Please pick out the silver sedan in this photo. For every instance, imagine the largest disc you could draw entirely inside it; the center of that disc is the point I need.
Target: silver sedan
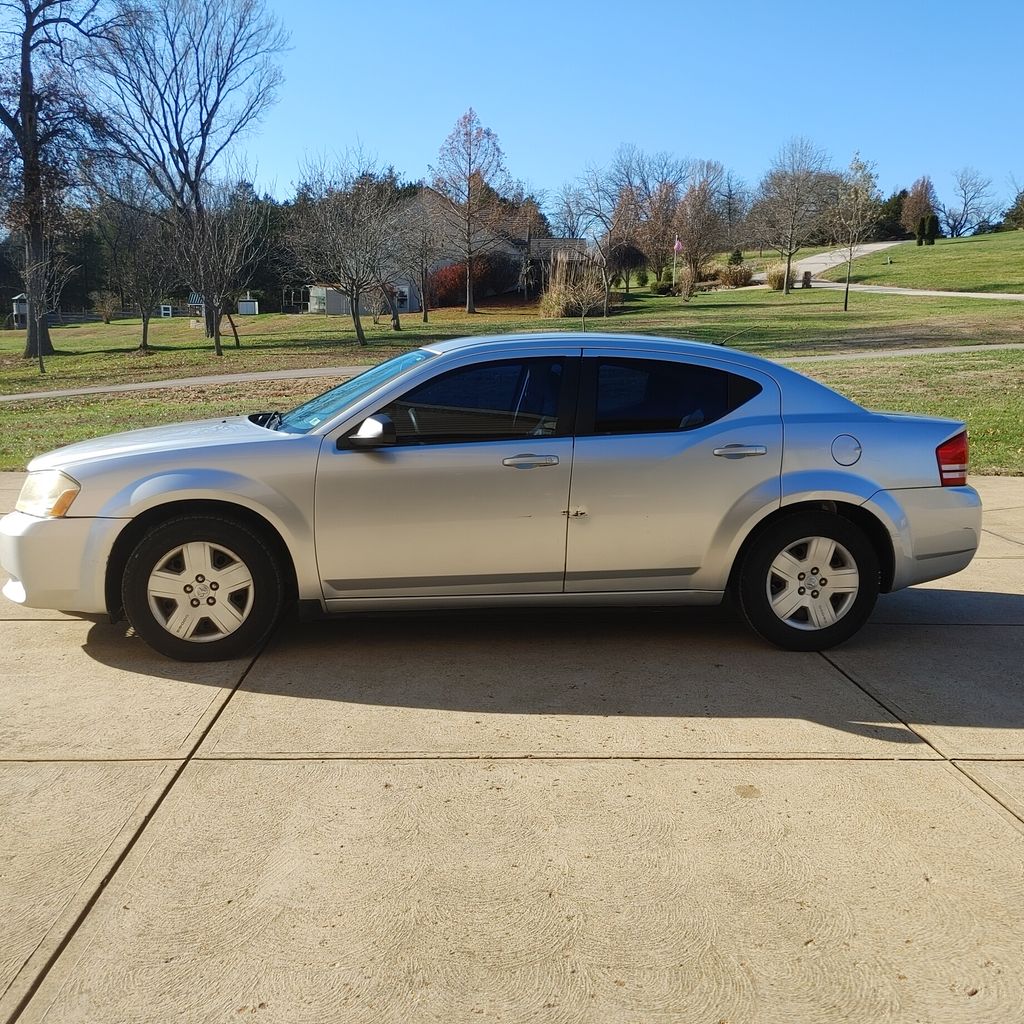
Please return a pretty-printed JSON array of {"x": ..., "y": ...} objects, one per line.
[{"x": 528, "y": 470}]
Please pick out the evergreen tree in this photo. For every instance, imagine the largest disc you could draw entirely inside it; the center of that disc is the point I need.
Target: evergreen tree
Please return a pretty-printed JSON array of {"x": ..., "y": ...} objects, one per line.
[
  {"x": 889, "y": 227},
  {"x": 1013, "y": 218},
  {"x": 922, "y": 230},
  {"x": 931, "y": 229}
]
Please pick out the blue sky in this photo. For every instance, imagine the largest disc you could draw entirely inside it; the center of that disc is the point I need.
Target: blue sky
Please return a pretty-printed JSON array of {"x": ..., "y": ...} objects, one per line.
[{"x": 918, "y": 87}]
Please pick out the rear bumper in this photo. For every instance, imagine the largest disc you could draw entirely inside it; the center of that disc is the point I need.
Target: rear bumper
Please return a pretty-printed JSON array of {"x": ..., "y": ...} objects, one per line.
[
  {"x": 57, "y": 563},
  {"x": 935, "y": 531}
]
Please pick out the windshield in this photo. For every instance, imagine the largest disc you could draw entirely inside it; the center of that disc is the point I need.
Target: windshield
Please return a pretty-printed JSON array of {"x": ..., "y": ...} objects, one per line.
[{"x": 326, "y": 406}]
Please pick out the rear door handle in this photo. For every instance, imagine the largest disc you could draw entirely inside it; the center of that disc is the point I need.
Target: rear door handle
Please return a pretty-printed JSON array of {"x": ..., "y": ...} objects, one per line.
[
  {"x": 530, "y": 461},
  {"x": 741, "y": 451}
]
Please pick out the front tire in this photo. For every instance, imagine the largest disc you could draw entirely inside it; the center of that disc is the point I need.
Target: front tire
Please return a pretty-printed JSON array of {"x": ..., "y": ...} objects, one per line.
[
  {"x": 808, "y": 582},
  {"x": 203, "y": 588}
]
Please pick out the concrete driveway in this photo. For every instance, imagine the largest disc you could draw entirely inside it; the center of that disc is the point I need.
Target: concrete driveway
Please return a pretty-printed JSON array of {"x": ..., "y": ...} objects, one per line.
[{"x": 607, "y": 816}]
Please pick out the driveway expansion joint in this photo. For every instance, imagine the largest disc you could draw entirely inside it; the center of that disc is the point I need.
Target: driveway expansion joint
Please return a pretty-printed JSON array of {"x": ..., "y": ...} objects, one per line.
[
  {"x": 950, "y": 759},
  {"x": 179, "y": 767}
]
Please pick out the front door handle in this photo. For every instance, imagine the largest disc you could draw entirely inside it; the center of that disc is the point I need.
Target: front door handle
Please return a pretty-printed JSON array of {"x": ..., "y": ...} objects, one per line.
[
  {"x": 740, "y": 451},
  {"x": 530, "y": 461}
]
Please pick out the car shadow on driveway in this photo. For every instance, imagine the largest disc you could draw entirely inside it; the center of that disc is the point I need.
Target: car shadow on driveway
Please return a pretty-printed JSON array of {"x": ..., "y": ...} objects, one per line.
[{"x": 699, "y": 664}]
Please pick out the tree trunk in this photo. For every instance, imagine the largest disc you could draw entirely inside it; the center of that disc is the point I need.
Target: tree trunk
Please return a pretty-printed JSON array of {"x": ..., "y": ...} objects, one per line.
[
  {"x": 389, "y": 298},
  {"x": 789, "y": 265},
  {"x": 470, "y": 304},
  {"x": 846, "y": 294},
  {"x": 607, "y": 295},
  {"x": 144, "y": 346},
  {"x": 353, "y": 299},
  {"x": 626, "y": 280},
  {"x": 217, "y": 349},
  {"x": 423, "y": 296},
  {"x": 234, "y": 330},
  {"x": 37, "y": 327},
  {"x": 212, "y": 325}
]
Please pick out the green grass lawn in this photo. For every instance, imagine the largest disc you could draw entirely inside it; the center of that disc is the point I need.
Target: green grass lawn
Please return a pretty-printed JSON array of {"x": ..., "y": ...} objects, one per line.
[
  {"x": 984, "y": 388},
  {"x": 985, "y": 263},
  {"x": 769, "y": 323}
]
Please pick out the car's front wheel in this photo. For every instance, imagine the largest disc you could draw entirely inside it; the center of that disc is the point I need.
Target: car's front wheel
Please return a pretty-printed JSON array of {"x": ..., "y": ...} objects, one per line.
[
  {"x": 808, "y": 581},
  {"x": 203, "y": 588}
]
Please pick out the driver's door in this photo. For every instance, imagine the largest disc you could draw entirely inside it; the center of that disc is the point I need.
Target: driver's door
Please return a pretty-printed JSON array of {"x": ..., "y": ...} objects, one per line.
[{"x": 470, "y": 500}]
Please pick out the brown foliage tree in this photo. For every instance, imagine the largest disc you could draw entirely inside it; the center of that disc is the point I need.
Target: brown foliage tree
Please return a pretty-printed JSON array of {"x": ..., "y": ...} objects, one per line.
[
  {"x": 920, "y": 202},
  {"x": 470, "y": 174}
]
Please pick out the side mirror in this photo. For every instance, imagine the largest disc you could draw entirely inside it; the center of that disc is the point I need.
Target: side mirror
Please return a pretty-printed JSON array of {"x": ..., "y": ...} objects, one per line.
[{"x": 374, "y": 432}]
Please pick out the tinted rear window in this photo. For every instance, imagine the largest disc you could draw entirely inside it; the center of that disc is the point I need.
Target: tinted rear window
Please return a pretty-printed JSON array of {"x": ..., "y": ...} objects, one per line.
[{"x": 645, "y": 396}]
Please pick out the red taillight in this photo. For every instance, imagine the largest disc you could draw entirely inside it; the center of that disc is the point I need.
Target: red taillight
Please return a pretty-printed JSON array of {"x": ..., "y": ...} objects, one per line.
[{"x": 952, "y": 456}]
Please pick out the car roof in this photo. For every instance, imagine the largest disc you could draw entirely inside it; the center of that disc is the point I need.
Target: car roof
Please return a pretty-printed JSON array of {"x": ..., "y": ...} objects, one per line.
[{"x": 803, "y": 393}]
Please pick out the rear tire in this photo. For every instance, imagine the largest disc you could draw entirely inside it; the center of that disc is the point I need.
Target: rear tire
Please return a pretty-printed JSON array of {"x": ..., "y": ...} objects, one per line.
[
  {"x": 808, "y": 582},
  {"x": 203, "y": 588}
]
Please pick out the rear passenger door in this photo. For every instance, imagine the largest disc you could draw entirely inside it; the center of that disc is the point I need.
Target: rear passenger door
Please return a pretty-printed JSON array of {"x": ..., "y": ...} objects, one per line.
[{"x": 672, "y": 458}]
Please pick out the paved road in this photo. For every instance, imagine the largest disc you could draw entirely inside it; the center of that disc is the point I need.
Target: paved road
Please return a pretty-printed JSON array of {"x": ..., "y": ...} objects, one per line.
[
  {"x": 823, "y": 261},
  {"x": 596, "y": 816},
  {"x": 351, "y": 371},
  {"x": 925, "y": 292},
  {"x": 189, "y": 382}
]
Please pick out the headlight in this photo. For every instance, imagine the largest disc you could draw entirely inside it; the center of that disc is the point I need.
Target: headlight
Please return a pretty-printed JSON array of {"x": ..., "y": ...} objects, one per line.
[{"x": 47, "y": 494}]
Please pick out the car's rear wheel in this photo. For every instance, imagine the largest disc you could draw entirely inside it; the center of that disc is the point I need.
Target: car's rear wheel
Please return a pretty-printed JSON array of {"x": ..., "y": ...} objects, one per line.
[
  {"x": 808, "y": 581},
  {"x": 203, "y": 588}
]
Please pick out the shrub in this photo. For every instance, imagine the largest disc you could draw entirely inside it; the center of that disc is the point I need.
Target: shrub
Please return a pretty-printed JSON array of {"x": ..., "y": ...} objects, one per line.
[
  {"x": 775, "y": 275},
  {"x": 686, "y": 283},
  {"x": 736, "y": 275},
  {"x": 922, "y": 230},
  {"x": 661, "y": 287},
  {"x": 447, "y": 285},
  {"x": 106, "y": 304},
  {"x": 735, "y": 258},
  {"x": 642, "y": 278},
  {"x": 931, "y": 229},
  {"x": 494, "y": 274}
]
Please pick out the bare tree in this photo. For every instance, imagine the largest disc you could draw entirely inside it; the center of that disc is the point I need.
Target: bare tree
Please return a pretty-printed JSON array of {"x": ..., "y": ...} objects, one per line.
[
  {"x": 791, "y": 200},
  {"x": 853, "y": 216},
  {"x": 920, "y": 203},
  {"x": 46, "y": 120},
  {"x": 220, "y": 251},
  {"x": 470, "y": 174},
  {"x": 652, "y": 184},
  {"x": 421, "y": 242},
  {"x": 735, "y": 204},
  {"x": 700, "y": 223},
  {"x": 568, "y": 219},
  {"x": 606, "y": 216},
  {"x": 179, "y": 83},
  {"x": 972, "y": 203},
  {"x": 346, "y": 230},
  {"x": 141, "y": 244}
]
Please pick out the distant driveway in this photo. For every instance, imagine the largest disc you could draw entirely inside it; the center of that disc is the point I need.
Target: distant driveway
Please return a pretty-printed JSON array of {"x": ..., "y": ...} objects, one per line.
[{"x": 837, "y": 257}]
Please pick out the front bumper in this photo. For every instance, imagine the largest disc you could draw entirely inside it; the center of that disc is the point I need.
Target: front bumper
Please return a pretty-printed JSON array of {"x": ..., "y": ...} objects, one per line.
[
  {"x": 57, "y": 563},
  {"x": 935, "y": 530}
]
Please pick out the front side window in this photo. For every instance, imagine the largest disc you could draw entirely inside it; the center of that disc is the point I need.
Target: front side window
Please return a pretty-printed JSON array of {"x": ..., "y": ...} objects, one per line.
[
  {"x": 646, "y": 396},
  {"x": 486, "y": 402},
  {"x": 328, "y": 405}
]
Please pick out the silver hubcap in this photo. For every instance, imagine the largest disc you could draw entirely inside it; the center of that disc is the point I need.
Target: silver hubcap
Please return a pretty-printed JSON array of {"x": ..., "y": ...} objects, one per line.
[
  {"x": 813, "y": 583},
  {"x": 200, "y": 592}
]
